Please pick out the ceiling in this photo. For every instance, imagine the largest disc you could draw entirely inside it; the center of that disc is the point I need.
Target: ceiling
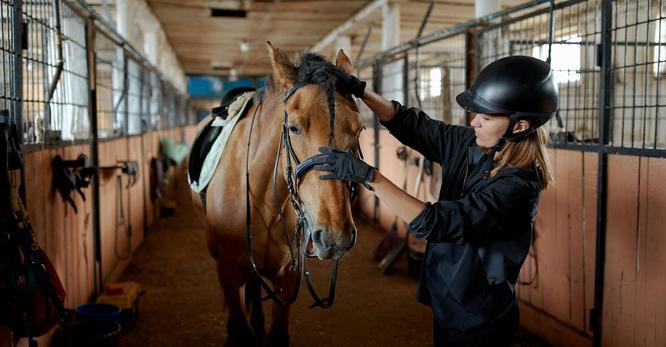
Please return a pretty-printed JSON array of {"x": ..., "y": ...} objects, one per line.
[{"x": 207, "y": 45}]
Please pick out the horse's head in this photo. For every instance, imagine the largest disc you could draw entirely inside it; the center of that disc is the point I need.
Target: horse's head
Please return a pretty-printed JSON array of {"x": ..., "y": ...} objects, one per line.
[{"x": 315, "y": 109}]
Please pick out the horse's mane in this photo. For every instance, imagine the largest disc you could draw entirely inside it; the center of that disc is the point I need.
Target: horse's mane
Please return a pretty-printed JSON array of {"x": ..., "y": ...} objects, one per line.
[{"x": 309, "y": 68}]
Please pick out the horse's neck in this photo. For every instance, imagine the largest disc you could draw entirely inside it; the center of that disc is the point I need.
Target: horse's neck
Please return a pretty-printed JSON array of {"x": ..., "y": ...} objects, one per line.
[{"x": 264, "y": 147}]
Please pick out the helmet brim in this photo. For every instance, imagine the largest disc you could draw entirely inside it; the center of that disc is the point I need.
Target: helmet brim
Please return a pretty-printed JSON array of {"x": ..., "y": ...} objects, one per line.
[{"x": 467, "y": 101}]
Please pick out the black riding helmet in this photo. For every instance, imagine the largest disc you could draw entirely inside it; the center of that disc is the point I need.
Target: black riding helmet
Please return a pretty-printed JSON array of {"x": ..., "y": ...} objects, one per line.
[{"x": 518, "y": 86}]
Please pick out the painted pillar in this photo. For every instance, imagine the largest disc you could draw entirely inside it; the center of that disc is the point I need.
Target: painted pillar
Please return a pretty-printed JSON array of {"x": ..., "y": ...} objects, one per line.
[
  {"x": 392, "y": 71},
  {"x": 390, "y": 25},
  {"x": 122, "y": 18},
  {"x": 485, "y": 7}
]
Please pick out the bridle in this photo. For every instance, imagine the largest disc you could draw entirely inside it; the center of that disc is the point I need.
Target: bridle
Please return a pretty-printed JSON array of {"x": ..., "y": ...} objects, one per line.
[{"x": 298, "y": 260}]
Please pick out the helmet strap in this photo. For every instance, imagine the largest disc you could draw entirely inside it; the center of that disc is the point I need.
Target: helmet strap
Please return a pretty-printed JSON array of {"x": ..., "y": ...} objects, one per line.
[{"x": 509, "y": 135}]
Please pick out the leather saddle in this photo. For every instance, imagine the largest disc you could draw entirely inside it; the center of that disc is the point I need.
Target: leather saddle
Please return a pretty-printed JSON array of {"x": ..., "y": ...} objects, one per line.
[{"x": 204, "y": 141}]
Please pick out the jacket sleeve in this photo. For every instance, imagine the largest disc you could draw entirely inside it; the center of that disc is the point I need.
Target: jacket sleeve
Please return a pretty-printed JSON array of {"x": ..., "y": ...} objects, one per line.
[
  {"x": 502, "y": 211},
  {"x": 432, "y": 138}
]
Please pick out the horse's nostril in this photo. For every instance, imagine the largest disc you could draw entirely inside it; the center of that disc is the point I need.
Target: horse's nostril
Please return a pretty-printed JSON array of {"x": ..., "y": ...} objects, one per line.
[{"x": 317, "y": 237}]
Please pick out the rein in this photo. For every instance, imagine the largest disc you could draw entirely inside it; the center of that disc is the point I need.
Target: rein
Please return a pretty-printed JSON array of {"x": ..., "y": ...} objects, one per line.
[{"x": 298, "y": 260}]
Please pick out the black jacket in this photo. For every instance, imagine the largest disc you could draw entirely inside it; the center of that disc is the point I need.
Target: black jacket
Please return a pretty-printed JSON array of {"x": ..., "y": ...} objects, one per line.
[{"x": 480, "y": 230}]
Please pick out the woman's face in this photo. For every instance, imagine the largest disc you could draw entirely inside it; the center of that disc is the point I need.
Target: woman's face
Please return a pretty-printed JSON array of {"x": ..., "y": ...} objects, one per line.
[{"x": 489, "y": 129}]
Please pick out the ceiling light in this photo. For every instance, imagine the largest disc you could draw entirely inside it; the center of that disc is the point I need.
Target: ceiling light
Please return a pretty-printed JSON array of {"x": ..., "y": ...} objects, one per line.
[
  {"x": 244, "y": 46},
  {"x": 227, "y": 8}
]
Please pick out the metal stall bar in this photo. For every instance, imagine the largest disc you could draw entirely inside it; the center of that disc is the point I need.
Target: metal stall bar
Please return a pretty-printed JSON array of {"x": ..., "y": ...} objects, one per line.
[
  {"x": 11, "y": 49},
  {"x": 377, "y": 72},
  {"x": 94, "y": 153},
  {"x": 606, "y": 82}
]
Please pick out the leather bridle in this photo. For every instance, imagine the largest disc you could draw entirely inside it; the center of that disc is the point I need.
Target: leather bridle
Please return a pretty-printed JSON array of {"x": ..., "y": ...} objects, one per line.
[{"x": 298, "y": 260}]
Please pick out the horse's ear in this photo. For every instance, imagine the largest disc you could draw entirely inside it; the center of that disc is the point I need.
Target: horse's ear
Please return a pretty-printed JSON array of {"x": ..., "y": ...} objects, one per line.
[
  {"x": 284, "y": 72},
  {"x": 343, "y": 63}
]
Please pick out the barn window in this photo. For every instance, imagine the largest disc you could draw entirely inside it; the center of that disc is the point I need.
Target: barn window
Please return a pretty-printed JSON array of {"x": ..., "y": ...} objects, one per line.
[
  {"x": 565, "y": 58},
  {"x": 430, "y": 83}
]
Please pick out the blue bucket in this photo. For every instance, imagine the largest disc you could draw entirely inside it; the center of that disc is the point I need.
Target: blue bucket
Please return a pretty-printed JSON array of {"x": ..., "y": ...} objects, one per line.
[
  {"x": 99, "y": 312},
  {"x": 94, "y": 333}
]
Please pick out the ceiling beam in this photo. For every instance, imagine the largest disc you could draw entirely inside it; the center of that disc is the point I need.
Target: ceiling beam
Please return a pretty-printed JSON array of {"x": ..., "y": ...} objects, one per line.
[{"x": 360, "y": 16}]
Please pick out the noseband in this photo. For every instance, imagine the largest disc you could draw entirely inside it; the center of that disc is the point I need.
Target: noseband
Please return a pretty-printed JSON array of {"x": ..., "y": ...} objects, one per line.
[{"x": 298, "y": 260}]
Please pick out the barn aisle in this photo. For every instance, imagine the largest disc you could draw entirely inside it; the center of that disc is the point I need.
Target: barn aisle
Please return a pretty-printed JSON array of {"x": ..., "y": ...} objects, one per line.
[{"x": 182, "y": 305}]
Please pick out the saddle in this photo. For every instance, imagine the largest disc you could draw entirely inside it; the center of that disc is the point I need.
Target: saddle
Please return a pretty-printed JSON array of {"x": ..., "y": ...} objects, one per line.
[{"x": 235, "y": 104}]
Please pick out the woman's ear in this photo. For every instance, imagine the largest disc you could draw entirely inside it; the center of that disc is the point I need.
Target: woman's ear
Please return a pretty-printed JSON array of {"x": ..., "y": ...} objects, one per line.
[{"x": 521, "y": 126}]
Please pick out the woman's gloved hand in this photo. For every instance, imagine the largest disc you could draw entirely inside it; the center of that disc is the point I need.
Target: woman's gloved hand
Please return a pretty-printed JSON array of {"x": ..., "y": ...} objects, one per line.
[
  {"x": 344, "y": 166},
  {"x": 345, "y": 83}
]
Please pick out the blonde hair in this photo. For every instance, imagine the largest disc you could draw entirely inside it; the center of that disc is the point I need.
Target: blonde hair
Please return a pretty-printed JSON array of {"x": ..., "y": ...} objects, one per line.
[{"x": 530, "y": 152}]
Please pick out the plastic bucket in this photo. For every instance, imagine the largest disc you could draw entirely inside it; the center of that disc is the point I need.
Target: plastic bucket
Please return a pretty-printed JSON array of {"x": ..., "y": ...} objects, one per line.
[{"x": 98, "y": 312}]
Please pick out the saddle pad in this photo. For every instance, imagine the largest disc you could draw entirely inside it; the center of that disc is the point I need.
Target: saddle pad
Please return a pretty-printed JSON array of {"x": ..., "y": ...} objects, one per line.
[{"x": 236, "y": 110}]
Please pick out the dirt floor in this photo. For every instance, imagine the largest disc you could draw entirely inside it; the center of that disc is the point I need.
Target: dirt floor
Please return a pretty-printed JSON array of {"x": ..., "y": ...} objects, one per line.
[{"x": 182, "y": 304}]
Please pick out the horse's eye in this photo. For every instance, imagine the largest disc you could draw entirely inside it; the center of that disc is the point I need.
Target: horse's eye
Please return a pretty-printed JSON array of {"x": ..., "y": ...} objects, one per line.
[{"x": 294, "y": 129}]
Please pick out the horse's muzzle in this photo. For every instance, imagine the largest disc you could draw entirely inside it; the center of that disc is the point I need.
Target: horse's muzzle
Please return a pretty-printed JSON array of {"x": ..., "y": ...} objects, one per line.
[{"x": 325, "y": 244}]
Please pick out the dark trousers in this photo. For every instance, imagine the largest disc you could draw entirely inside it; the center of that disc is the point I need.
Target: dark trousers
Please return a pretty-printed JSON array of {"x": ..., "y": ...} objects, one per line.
[{"x": 497, "y": 333}]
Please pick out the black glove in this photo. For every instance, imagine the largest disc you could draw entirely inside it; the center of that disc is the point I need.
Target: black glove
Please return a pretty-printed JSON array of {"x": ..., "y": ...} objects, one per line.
[
  {"x": 345, "y": 83},
  {"x": 343, "y": 166}
]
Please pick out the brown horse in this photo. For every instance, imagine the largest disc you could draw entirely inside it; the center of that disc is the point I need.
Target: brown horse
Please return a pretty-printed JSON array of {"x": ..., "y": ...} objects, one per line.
[{"x": 325, "y": 204}]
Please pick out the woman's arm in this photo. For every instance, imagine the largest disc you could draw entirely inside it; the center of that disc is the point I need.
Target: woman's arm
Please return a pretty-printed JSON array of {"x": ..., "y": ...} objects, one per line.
[
  {"x": 397, "y": 200},
  {"x": 383, "y": 108}
]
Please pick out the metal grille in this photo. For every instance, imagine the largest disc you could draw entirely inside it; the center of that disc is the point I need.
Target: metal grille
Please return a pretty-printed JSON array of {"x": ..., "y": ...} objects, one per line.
[
  {"x": 146, "y": 91},
  {"x": 38, "y": 60},
  {"x": 441, "y": 67},
  {"x": 169, "y": 114},
  {"x": 52, "y": 108},
  {"x": 156, "y": 104},
  {"x": 110, "y": 70},
  {"x": 134, "y": 115},
  {"x": 638, "y": 55},
  {"x": 44, "y": 77},
  {"x": 573, "y": 58},
  {"x": 393, "y": 80},
  {"x": 8, "y": 56}
]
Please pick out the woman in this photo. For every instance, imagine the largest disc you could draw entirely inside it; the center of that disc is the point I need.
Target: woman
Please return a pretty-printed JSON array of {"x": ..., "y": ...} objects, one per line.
[{"x": 480, "y": 230}]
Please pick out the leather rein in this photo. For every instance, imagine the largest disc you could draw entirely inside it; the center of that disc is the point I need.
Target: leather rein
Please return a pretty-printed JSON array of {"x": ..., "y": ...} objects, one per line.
[{"x": 298, "y": 260}]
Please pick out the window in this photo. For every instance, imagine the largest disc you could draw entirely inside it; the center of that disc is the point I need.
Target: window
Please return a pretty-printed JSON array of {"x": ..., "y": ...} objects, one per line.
[
  {"x": 565, "y": 58},
  {"x": 430, "y": 82}
]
